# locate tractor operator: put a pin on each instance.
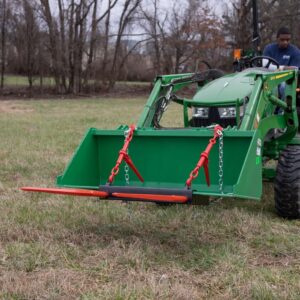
(286, 54)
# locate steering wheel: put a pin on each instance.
(208, 75)
(257, 61)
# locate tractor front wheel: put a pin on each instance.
(287, 183)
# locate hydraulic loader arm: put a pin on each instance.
(266, 111)
(162, 85)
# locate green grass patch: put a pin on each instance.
(22, 81)
(59, 247)
(19, 81)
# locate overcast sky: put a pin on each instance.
(217, 5)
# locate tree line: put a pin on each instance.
(90, 44)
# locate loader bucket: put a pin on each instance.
(165, 158)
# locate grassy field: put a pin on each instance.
(22, 81)
(60, 247)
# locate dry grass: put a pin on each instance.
(56, 247)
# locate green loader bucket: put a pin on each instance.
(165, 159)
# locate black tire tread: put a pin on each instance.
(287, 183)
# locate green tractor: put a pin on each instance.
(232, 125)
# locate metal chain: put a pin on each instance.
(126, 167)
(126, 170)
(220, 161)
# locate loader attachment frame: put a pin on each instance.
(159, 164)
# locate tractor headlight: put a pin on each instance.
(229, 112)
(200, 112)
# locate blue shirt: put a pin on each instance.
(289, 56)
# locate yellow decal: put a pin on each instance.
(281, 75)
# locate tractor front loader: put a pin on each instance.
(232, 125)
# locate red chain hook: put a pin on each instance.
(203, 161)
(123, 155)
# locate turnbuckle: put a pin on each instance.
(123, 155)
(203, 161)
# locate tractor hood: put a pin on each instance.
(228, 89)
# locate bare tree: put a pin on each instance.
(152, 22)
(25, 37)
(193, 34)
(78, 14)
(74, 41)
(3, 41)
(31, 35)
(237, 23)
(93, 38)
(52, 33)
(129, 8)
(63, 48)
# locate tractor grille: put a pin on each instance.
(213, 118)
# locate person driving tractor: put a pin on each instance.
(286, 54)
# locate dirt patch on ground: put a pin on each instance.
(6, 107)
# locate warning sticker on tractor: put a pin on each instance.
(257, 117)
(258, 151)
(256, 121)
(259, 142)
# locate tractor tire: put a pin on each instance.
(298, 105)
(287, 183)
(298, 112)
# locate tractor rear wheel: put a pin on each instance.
(287, 183)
